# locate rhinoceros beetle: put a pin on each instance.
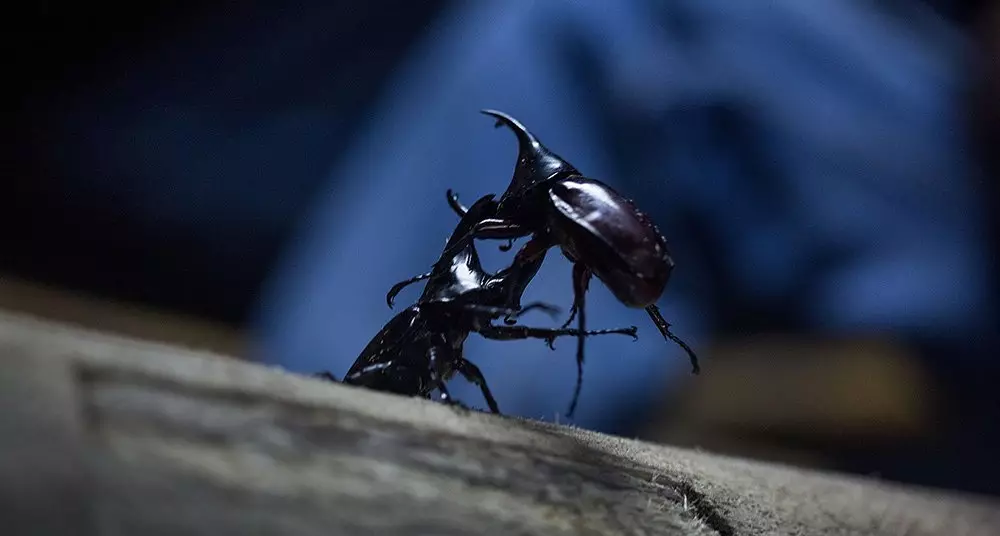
(600, 231)
(420, 348)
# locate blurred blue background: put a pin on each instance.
(809, 163)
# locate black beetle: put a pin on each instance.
(600, 231)
(420, 348)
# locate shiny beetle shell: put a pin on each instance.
(619, 243)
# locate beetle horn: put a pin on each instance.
(525, 139)
(535, 162)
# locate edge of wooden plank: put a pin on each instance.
(43, 461)
(124, 318)
(755, 497)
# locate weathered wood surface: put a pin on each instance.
(102, 435)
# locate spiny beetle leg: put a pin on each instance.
(664, 327)
(581, 281)
(581, 284)
(511, 333)
(439, 359)
(497, 229)
(552, 310)
(475, 376)
(631, 331)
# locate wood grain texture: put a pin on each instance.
(109, 436)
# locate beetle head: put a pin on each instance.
(459, 255)
(536, 164)
(483, 208)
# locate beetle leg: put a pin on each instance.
(572, 315)
(509, 333)
(390, 296)
(471, 372)
(664, 327)
(552, 310)
(439, 361)
(581, 281)
(529, 253)
(509, 312)
(533, 249)
(631, 331)
(498, 229)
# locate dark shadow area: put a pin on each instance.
(143, 136)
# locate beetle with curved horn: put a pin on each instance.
(420, 348)
(600, 231)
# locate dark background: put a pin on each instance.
(72, 62)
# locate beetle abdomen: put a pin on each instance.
(392, 341)
(606, 231)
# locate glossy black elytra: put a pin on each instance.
(421, 348)
(600, 231)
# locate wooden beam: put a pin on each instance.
(105, 435)
(127, 319)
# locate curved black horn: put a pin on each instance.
(535, 162)
(524, 138)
